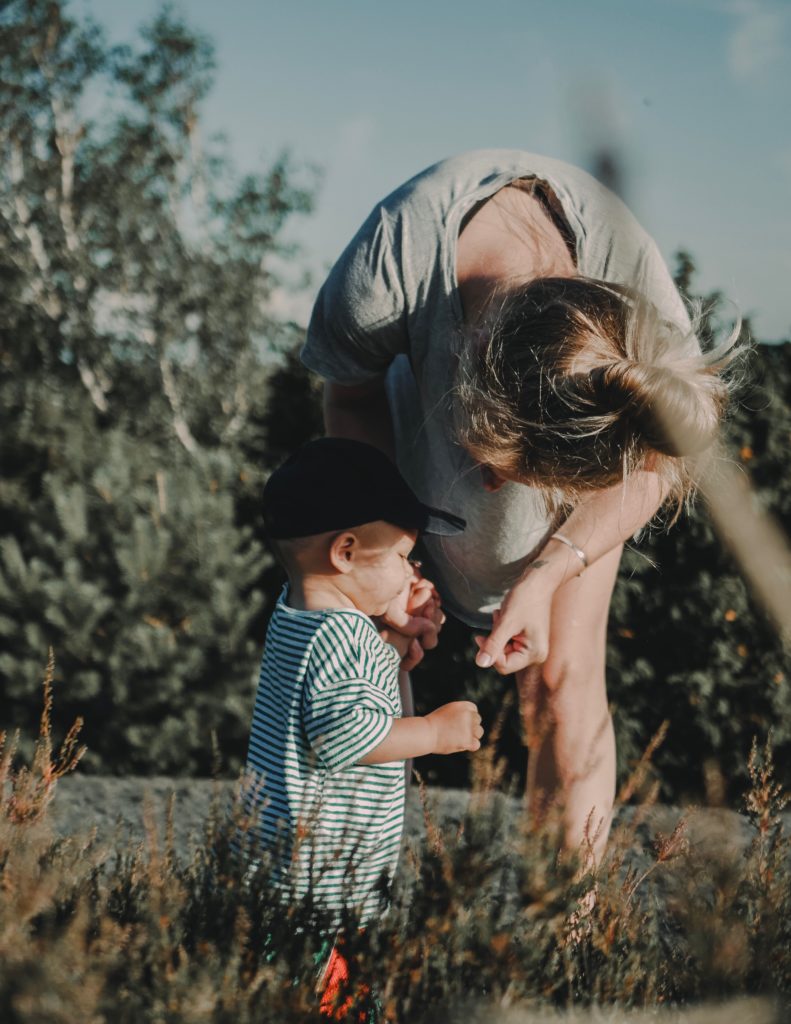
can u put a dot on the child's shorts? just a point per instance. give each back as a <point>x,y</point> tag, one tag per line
<point>340,987</point>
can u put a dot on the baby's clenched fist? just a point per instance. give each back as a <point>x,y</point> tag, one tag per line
<point>457,727</point>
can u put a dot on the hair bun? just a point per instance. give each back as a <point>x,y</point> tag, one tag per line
<point>580,383</point>
<point>618,384</point>
<point>669,407</point>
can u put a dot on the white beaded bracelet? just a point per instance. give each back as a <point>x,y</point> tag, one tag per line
<point>577,550</point>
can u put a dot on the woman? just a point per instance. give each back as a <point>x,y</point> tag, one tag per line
<point>504,327</point>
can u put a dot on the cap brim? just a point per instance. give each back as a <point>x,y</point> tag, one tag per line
<point>442,523</point>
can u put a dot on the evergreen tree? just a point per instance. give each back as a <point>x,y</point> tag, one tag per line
<point>136,339</point>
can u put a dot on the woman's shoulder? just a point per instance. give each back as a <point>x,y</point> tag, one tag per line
<point>454,178</point>
<point>433,205</point>
<point>491,169</point>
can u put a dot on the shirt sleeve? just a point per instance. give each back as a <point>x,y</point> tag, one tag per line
<point>359,322</point>
<point>344,715</point>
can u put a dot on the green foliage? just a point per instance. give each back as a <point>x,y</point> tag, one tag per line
<point>146,389</point>
<point>136,349</point>
<point>139,576</point>
<point>485,915</point>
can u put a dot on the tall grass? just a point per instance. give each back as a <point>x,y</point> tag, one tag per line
<point>484,914</point>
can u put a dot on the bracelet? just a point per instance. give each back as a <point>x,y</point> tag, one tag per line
<point>577,550</point>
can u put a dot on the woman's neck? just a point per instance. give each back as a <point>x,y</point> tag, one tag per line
<point>509,239</point>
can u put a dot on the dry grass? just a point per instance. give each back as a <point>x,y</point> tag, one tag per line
<point>487,923</point>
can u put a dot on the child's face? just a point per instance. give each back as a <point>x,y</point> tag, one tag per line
<point>382,568</point>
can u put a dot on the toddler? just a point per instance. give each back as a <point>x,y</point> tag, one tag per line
<point>328,741</point>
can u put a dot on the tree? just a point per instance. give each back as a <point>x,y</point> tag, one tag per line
<point>136,335</point>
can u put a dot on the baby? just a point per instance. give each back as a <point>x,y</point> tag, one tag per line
<point>328,741</point>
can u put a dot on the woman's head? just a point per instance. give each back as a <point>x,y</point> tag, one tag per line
<point>573,384</point>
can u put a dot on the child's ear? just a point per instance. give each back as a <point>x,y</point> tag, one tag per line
<point>343,551</point>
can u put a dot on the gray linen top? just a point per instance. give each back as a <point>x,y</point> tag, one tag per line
<point>390,306</point>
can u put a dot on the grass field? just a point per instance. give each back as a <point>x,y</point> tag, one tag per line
<point>147,918</point>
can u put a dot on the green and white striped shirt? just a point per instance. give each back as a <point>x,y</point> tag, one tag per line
<point>327,695</point>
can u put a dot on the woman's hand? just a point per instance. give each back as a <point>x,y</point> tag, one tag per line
<point>520,633</point>
<point>413,620</point>
<point>599,524</point>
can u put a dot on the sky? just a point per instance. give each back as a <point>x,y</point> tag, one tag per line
<point>695,95</point>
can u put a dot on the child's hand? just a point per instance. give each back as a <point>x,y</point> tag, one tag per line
<point>458,727</point>
<point>416,611</point>
<point>423,603</point>
<point>413,620</point>
<point>408,647</point>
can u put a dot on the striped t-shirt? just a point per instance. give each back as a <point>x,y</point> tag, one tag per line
<point>327,695</point>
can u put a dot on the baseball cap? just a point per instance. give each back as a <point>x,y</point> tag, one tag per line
<point>335,483</point>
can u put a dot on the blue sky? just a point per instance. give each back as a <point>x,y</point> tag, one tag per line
<point>695,94</point>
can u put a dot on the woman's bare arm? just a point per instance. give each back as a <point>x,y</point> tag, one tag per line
<point>603,521</point>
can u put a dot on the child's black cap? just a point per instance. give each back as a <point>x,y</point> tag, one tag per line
<point>336,483</point>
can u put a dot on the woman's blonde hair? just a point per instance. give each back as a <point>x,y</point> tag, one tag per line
<point>571,384</point>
